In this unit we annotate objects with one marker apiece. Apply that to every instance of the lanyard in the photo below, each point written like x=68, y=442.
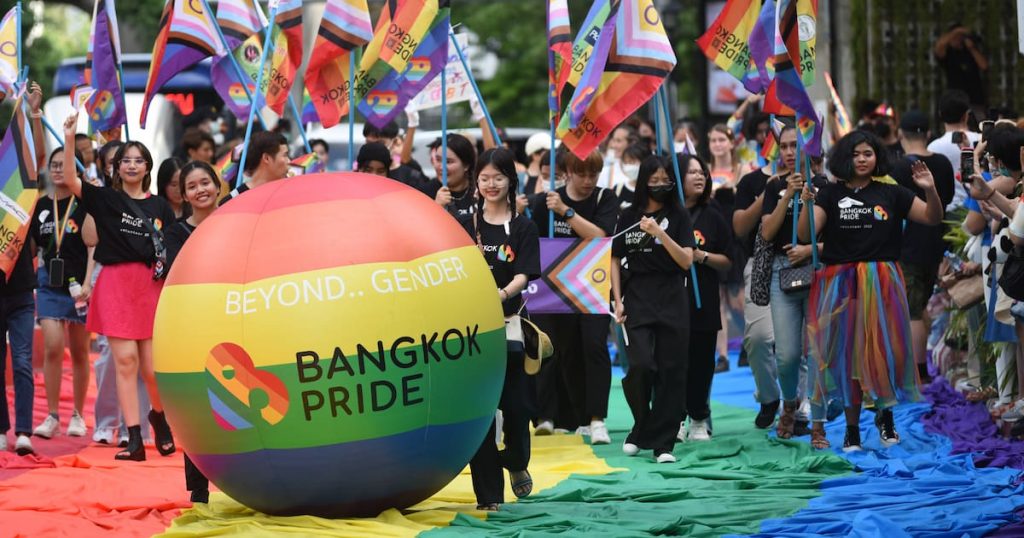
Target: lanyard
x=61, y=224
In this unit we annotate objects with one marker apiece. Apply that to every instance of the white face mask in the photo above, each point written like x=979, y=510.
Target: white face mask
x=679, y=146
x=632, y=171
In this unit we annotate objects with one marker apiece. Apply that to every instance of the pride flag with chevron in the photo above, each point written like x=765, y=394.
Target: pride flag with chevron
x=762, y=44
x=586, y=38
x=344, y=28
x=283, y=65
x=574, y=277
x=186, y=36
x=18, y=187
x=559, y=53
x=105, y=107
x=239, y=20
x=726, y=42
x=638, y=60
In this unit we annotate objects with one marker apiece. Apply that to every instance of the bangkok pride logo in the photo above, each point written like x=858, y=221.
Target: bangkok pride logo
x=239, y=393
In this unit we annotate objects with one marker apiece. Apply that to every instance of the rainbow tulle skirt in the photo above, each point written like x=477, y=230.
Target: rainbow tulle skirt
x=860, y=332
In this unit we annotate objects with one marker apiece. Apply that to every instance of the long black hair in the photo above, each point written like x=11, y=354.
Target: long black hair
x=684, y=167
x=840, y=161
x=192, y=166
x=504, y=161
x=165, y=174
x=648, y=167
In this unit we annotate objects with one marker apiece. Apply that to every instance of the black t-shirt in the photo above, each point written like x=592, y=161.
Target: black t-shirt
x=510, y=250
x=409, y=176
x=123, y=236
x=175, y=237
x=463, y=202
x=864, y=225
x=711, y=234
x=23, y=275
x=962, y=73
x=773, y=191
x=654, y=286
x=72, y=249
x=626, y=196
x=923, y=244
x=601, y=208
x=234, y=193
x=747, y=190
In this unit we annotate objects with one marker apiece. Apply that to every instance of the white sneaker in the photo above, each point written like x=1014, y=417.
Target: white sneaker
x=76, y=428
x=698, y=431
x=3, y=442
x=24, y=446
x=546, y=427
x=104, y=436
x=48, y=429
x=583, y=430
x=681, y=436
x=630, y=449
x=665, y=457
x=599, y=433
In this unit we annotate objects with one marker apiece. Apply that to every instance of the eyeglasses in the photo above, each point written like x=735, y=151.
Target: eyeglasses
x=495, y=180
x=56, y=167
x=136, y=162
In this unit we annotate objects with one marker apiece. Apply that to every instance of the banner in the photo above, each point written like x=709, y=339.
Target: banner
x=575, y=277
x=18, y=187
x=457, y=82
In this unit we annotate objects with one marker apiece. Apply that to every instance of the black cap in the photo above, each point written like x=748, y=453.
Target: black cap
x=914, y=121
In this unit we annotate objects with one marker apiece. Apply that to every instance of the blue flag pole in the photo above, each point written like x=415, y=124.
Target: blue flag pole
x=60, y=142
x=476, y=89
x=242, y=78
x=679, y=183
x=18, y=38
x=796, y=199
x=656, y=103
x=259, y=84
x=298, y=120
x=351, y=109
x=444, y=126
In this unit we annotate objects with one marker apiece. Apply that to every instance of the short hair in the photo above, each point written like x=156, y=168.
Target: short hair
x=147, y=181
x=165, y=173
x=314, y=142
x=60, y=150
x=193, y=139
x=590, y=166
x=953, y=105
x=388, y=131
x=684, y=166
x=504, y=161
x=636, y=151
x=373, y=151
x=1004, y=143
x=840, y=161
x=192, y=166
x=263, y=143
x=648, y=167
x=101, y=158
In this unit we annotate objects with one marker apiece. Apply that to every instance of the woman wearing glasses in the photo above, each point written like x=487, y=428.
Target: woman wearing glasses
x=124, y=300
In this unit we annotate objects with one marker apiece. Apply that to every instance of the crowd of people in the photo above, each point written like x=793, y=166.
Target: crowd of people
x=738, y=230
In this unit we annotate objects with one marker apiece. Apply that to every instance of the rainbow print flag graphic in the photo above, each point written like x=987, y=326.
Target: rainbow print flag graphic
x=186, y=36
x=344, y=28
x=639, y=58
x=306, y=164
x=227, y=167
x=9, y=55
x=559, y=53
x=389, y=97
x=227, y=84
x=791, y=92
x=840, y=117
x=726, y=42
x=586, y=39
x=287, y=55
x=309, y=114
x=239, y=20
x=574, y=277
x=18, y=187
x=105, y=107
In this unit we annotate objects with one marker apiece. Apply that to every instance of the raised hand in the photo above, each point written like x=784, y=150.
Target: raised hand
x=922, y=175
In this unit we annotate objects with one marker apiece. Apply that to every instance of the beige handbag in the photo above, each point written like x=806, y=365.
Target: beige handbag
x=967, y=291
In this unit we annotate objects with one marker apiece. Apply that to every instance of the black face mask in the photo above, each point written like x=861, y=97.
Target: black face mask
x=661, y=193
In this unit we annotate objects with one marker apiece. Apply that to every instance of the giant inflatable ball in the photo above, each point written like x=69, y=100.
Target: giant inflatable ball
x=330, y=344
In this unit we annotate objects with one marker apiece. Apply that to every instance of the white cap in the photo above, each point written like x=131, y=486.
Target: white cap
x=538, y=142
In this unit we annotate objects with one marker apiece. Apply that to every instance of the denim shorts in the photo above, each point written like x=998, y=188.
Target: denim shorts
x=54, y=303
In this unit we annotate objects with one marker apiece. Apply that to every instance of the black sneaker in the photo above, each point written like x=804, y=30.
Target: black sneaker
x=743, y=358
x=722, y=365
x=766, y=416
x=886, y=429
x=801, y=428
x=851, y=443
x=200, y=496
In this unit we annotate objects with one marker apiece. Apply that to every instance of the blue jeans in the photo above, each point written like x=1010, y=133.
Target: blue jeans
x=789, y=319
x=17, y=323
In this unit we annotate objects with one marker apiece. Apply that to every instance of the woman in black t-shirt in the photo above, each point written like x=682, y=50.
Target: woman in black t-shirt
x=124, y=300
x=860, y=323
x=510, y=244
x=458, y=197
x=56, y=232
x=651, y=256
x=712, y=239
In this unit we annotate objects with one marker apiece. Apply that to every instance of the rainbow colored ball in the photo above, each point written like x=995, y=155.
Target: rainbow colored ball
x=330, y=344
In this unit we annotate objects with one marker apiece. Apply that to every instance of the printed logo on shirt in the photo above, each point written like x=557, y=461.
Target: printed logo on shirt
x=698, y=238
x=848, y=202
x=880, y=213
x=71, y=227
x=158, y=224
x=505, y=254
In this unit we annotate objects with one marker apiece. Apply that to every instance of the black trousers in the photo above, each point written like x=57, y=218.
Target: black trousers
x=517, y=406
x=655, y=385
x=700, y=372
x=573, y=388
x=195, y=480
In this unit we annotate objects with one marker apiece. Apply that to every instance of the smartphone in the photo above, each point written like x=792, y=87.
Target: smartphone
x=966, y=165
x=986, y=127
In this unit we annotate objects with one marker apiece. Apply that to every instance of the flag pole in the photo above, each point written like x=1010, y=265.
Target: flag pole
x=18, y=38
x=796, y=200
x=656, y=103
x=60, y=142
x=242, y=78
x=259, y=84
x=476, y=89
x=444, y=125
x=291, y=100
x=351, y=109
x=810, y=206
x=298, y=120
x=679, y=183
x=551, y=173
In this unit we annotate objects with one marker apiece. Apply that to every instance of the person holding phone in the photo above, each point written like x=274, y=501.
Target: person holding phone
x=954, y=107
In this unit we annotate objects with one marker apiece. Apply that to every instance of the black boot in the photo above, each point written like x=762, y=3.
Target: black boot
x=135, y=451
x=161, y=433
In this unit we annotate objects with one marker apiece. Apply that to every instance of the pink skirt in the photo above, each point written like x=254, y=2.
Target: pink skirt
x=124, y=302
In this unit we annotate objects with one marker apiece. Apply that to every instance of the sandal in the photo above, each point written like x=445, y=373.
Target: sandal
x=135, y=451
x=522, y=483
x=161, y=433
x=818, y=439
x=489, y=507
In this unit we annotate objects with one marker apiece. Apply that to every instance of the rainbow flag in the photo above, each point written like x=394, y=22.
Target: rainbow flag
x=309, y=114
x=568, y=282
x=762, y=44
x=239, y=20
x=583, y=45
x=105, y=107
x=283, y=65
x=186, y=36
x=770, y=149
x=18, y=187
x=772, y=105
x=559, y=53
x=9, y=68
x=841, y=125
x=590, y=81
x=639, y=58
x=726, y=42
x=344, y=28
x=797, y=28
x=793, y=94
x=390, y=96
x=80, y=94
x=227, y=167
x=306, y=164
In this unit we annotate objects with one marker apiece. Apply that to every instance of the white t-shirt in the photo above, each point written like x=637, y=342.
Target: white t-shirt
x=945, y=146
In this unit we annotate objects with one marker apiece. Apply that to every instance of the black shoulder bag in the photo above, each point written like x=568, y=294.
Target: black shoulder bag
x=159, y=252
